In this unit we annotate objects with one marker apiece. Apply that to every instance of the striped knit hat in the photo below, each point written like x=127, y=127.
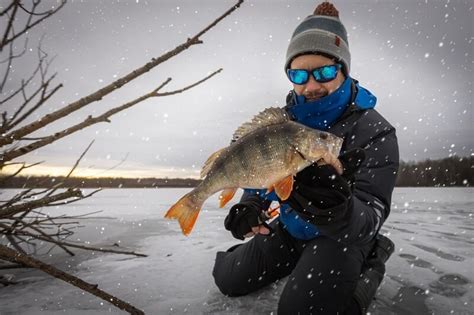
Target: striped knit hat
x=321, y=33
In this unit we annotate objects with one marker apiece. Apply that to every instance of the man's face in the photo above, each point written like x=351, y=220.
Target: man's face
x=313, y=90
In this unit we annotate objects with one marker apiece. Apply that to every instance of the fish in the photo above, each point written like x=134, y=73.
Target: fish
x=265, y=153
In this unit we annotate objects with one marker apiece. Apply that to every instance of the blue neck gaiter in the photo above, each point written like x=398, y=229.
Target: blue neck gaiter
x=322, y=113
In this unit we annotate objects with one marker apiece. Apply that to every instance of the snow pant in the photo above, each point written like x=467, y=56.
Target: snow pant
x=323, y=272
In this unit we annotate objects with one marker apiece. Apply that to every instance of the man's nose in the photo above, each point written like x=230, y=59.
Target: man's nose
x=313, y=86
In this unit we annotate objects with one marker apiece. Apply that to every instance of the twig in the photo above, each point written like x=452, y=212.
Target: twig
x=66, y=202
x=9, y=25
x=72, y=170
x=6, y=178
x=27, y=206
x=68, y=244
x=28, y=26
x=19, y=258
x=114, y=166
x=189, y=86
x=11, y=266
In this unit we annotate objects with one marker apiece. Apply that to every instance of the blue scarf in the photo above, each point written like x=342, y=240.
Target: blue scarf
x=323, y=112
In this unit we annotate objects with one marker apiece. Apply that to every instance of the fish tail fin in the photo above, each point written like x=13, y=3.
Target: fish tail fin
x=186, y=211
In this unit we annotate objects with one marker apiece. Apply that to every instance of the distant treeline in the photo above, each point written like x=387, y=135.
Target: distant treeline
x=453, y=171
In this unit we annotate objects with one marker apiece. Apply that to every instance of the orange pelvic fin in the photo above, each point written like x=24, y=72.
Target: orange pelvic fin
x=284, y=187
x=186, y=211
x=226, y=195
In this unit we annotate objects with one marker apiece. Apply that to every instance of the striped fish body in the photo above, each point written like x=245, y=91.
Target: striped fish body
x=259, y=159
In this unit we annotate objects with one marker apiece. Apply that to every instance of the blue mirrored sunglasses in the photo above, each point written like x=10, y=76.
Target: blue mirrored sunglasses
x=321, y=74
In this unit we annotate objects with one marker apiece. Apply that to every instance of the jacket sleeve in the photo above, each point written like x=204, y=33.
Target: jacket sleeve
x=369, y=205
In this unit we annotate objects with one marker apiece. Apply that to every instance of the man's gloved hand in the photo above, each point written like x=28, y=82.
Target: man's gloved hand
x=246, y=220
x=320, y=194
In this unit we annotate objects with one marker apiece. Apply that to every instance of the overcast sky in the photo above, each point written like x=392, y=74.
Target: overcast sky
x=415, y=56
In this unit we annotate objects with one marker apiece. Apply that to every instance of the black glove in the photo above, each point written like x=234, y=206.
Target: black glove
x=242, y=217
x=321, y=195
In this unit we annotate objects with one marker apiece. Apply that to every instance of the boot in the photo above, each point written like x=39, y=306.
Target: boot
x=373, y=273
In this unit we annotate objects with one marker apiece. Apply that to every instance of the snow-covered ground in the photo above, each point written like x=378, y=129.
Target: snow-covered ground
x=431, y=271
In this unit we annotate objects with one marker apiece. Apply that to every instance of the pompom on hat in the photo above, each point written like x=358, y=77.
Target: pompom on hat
x=321, y=33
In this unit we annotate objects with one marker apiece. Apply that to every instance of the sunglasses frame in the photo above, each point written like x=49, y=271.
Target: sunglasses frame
x=312, y=72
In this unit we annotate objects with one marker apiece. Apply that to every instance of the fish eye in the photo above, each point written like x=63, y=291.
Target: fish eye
x=323, y=136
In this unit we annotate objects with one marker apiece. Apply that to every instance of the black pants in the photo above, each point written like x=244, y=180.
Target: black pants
x=322, y=272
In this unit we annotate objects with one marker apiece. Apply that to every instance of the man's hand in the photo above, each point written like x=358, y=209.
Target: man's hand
x=246, y=221
x=320, y=194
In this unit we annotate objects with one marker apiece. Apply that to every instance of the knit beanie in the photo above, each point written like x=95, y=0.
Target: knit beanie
x=321, y=33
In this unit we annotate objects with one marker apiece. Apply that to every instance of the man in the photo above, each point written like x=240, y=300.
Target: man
x=326, y=236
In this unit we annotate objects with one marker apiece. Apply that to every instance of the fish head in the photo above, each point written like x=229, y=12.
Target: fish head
x=320, y=144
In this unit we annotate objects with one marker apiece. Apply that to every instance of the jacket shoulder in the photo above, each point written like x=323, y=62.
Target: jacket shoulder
x=362, y=127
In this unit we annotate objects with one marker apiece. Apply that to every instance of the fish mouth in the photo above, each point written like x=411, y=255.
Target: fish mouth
x=338, y=146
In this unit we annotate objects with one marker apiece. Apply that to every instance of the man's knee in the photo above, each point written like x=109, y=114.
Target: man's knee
x=230, y=277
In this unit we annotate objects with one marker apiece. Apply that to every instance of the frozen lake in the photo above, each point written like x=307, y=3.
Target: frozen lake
x=431, y=271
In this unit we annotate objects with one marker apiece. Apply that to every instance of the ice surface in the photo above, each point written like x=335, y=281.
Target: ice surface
x=431, y=270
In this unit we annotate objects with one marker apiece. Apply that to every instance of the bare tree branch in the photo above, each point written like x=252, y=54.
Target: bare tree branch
x=8, y=8
x=33, y=12
x=19, y=258
x=73, y=245
x=6, y=40
x=15, y=244
x=12, y=154
x=18, y=171
x=114, y=166
x=45, y=237
x=15, y=5
x=23, y=85
x=11, y=266
x=27, y=206
x=10, y=123
x=189, y=86
x=42, y=100
x=9, y=61
x=98, y=95
x=72, y=170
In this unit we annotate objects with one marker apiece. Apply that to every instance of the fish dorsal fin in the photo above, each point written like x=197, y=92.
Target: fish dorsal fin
x=269, y=116
x=210, y=161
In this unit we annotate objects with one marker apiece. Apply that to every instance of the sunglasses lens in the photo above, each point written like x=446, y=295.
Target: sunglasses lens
x=326, y=73
x=298, y=76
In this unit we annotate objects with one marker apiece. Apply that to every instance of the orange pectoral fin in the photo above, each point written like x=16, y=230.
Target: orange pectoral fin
x=226, y=195
x=284, y=187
